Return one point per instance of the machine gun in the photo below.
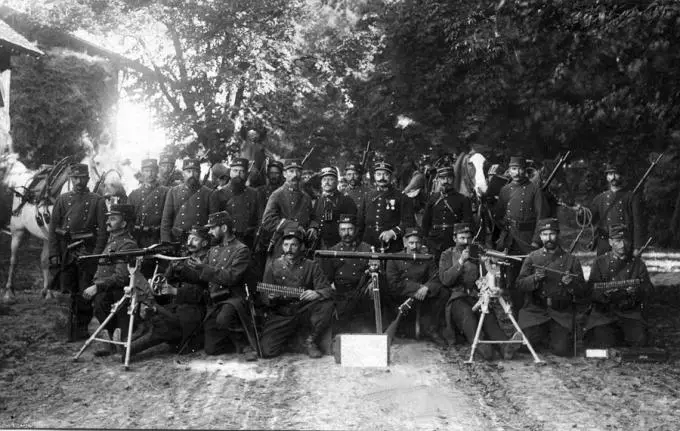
(166, 251)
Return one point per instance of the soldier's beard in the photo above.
(615, 182)
(276, 181)
(550, 245)
(192, 182)
(79, 188)
(347, 239)
(353, 183)
(214, 240)
(237, 182)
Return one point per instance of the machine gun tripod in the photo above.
(489, 289)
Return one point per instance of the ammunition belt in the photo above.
(147, 229)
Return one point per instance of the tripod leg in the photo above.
(508, 312)
(128, 344)
(114, 310)
(475, 342)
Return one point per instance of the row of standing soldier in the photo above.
(263, 220)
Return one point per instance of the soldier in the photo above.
(77, 227)
(419, 280)
(442, 211)
(348, 276)
(328, 208)
(355, 190)
(551, 278)
(185, 205)
(520, 205)
(459, 272)
(167, 175)
(180, 319)
(148, 201)
(220, 176)
(225, 270)
(239, 200)
(289, 204)
(307, 175)
(618, 316)
(274, 181)
(110, 279)
(315, 305)
(385, 213)
(618, 205)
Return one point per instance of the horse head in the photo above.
(471, 174)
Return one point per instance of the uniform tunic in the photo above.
(327, 211)
(184, 208)
(357, 194)
(78, 213)
(622, 207)
(303, 273)
(293, 205)
(385, 210)
(520, 205)
(550, 298)
(264, 192)
(149, 201)
(346, 274)
(224, 270)
(244, 206)
(460, 279)
(610, 268)
(442, 211)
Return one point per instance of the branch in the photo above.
(161, 78)
(189, 99)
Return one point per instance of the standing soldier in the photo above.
(328, 208)
(289, 205)
(419, 280)
(274, 181)
(77, 227)
(185, 205)
(550, 277)
(617, 313)
(355, 190)
(348, 276)
(167, 175)
(220, 176)
(386, 212)
(240, 201)
(111, 279)
(442, 211)
(148, 201)
(520, 205)
(617, 205)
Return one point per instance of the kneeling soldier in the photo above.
(313, 307)
(224, 270)
(176, 322)
(419, 280)
(617, 315)
(459, 273)
(550, 277)
(110, 280)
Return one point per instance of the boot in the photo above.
(107, 349)
(486, 351)
(312, 349)
(508, 350)
(146, 341)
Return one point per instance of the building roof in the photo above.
(11, 40)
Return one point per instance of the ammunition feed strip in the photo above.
(284, 291)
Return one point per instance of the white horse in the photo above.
(25, 216)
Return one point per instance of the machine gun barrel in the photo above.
(122, 256)
(417, 257)
(554, 271)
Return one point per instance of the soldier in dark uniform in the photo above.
(289, 204)
(385, 213)
(618, 205)
(618, 317)
(148, 201)
(178, 320)
(459, 271)
(220, 176)
(349, 278)
(419, 280)
(167, 175)
(77, 227)
(110, 279)
(520, 205)
(314, 307)
(442, 211)
(225, 270)
(547, 313)
(274, 181)
(186, 205)
(355, 190)
(239, 200)
(328, 208)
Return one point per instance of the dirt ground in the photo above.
(424, 388)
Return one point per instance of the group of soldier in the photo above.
(237, 236)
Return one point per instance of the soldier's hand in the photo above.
(539, 275)
(464, 256)
(636, 252)
(567, 279)
(388, 235)
(309, 295)
(194, 262)
(312, 234)
(90, 292)
(534, 244)
(421, 293)
(168, 290)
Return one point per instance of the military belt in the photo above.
(442, 226)
(557, 304)
(528, 225)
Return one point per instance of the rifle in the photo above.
(159, 251)
(649, 171)
(562, 160)
(364, 157)
(251, 306)
(403, 309)
(309, 153)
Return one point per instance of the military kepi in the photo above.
(347, 218)
(383, 166)
(518, 161)
(462, 228)
(79, 170)
(200, 231)
(292, 233)
(548, 224)
(446, 171)
(150, 163)
(239, 162)
(329, 172)
(166, 159)
(190, 164)
(219, 218)
(275, 164)
(413, 231)
(125, 210)
(611, 167)
(292, 164)
(353, 167)
(618, 231)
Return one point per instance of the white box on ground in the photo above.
(362, 350)
(597, 353)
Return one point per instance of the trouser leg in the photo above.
(603, 336)
(634, 332)
(320, 314)
(467, 321)
(537, 334)
(102, 303)
(561, 341)
(216, 328)
(276, 332)
(432, 311)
